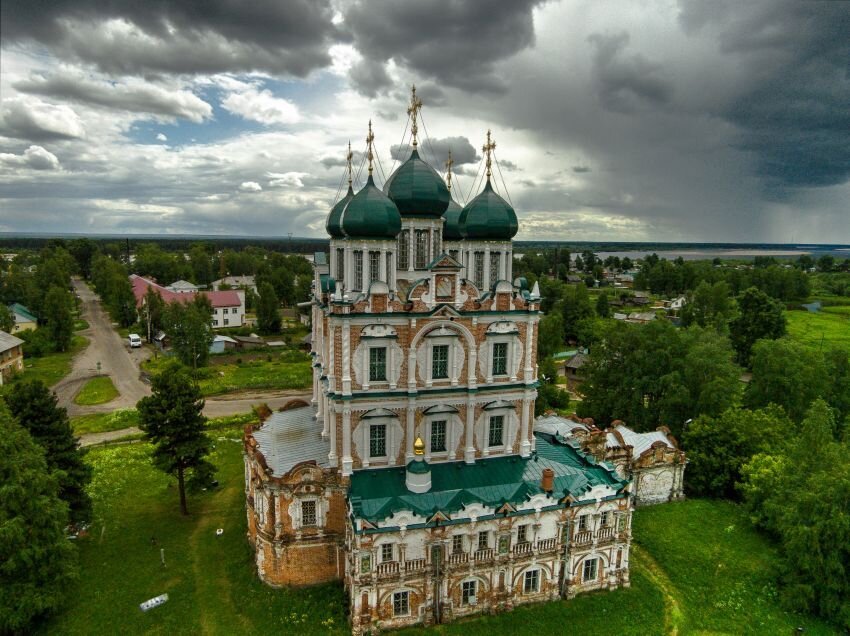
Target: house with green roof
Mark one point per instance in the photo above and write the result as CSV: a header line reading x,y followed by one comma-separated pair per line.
x,y
24,318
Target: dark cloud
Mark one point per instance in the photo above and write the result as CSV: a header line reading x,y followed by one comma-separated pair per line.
x,y
140,97
794,113
456,43
624,83
337,162
436,151
369,78
189,36
581,169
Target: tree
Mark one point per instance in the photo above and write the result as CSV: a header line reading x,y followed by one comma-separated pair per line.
x,y
575,306
550,335
36,409
37,563
710,305
190,330
786,373
7,319
801,497
603,310
268,312
153,312
826,263
60,320
172,421
760,316
718,447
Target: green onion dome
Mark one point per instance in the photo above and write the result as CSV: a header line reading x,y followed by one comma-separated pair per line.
x,y
417,189
334,223
488,216
451,228
370,215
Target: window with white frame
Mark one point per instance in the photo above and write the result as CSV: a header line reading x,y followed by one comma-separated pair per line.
x,y
496,430
358,271
423,248
389,267
500,358
404,249
438,436
340,264
531,582
583,523
604,518
377,364
308,513
590,570
374,266
494,267
387,552
377,440
457,544
467,592
522,534
401,603
478,270
483,540
226,321
439,362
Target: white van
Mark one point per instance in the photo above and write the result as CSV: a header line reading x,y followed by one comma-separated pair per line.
x,y
135,340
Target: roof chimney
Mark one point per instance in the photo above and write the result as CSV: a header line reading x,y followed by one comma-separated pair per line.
x,y
547,483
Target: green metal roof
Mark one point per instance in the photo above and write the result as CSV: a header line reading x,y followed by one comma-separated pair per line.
x,y
377,494
334,223
417,189
19,309
371,214
488,216
451,229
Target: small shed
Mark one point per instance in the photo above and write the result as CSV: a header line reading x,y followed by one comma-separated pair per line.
x,y
249,342
220,344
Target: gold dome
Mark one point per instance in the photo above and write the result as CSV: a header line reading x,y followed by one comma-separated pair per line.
x,y
418,446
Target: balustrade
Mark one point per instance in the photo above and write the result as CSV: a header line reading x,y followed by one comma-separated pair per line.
x,y
583,537
387,567
546,545
522,548
458,558
605,533
414,565
484,555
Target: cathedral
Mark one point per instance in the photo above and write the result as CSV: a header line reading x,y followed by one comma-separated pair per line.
x,y
416,475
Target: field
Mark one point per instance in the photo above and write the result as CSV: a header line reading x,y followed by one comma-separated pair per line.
x,y
697,566
102,422
99,390
828,328
286,370
52,367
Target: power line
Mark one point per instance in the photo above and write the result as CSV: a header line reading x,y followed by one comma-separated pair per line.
x,y
504,185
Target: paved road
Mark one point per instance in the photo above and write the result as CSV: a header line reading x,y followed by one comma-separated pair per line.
x,y
116,359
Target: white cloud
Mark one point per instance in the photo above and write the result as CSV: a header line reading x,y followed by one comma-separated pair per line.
x,y
261,106
250,186
31,118
287,179
161,137
34,157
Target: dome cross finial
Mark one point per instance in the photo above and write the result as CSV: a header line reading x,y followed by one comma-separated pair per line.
x,y
348,157
488,149
413,112
449,163
369,154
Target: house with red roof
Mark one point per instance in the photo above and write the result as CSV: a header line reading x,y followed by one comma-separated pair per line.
x,y
228,306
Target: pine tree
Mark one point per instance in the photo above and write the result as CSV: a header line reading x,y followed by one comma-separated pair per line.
x,y
172,421
35,408
37,562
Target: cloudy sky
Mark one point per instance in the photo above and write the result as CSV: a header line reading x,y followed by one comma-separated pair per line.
x,y
638,120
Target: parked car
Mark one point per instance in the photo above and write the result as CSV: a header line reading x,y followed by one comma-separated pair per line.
x,y
135,340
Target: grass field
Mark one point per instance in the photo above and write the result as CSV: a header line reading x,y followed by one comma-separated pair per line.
x,y
99,390
52,367
827,328
697,567
286,370
103,422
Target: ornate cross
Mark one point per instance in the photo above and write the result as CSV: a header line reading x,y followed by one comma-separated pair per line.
x,y
488,148
348,157
413,111
369,139
449,163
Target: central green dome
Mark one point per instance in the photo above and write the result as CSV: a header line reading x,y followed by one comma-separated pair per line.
x,y
488,217
417,189
334,223
451,229
370,215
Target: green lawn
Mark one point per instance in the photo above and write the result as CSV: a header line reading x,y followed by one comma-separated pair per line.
x,y
98,390
286,370
80,324
697,567
52,367
103,422
825,329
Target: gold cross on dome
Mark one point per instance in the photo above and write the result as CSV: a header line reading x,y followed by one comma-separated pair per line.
x,y
449,163
348,157
488,148
369,139
413,111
